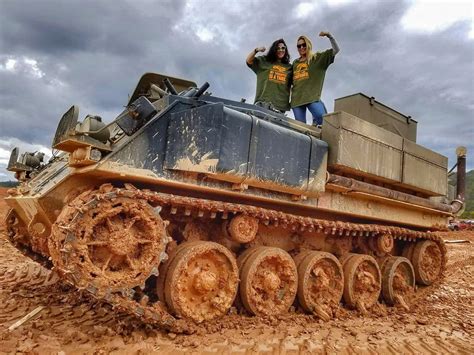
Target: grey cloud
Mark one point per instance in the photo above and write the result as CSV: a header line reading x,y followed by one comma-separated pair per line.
x,y
56,27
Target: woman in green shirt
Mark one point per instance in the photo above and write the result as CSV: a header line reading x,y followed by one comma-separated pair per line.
x,y
273,76
309,71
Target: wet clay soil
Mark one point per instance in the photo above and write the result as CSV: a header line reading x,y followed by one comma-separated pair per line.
x,y
71,323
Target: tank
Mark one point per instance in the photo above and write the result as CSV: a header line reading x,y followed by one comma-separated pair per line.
x,y
189,206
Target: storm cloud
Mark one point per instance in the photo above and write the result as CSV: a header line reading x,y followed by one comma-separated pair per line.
x,y
91,53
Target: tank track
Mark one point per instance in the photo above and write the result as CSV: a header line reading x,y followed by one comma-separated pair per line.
x,y
14,234
156,313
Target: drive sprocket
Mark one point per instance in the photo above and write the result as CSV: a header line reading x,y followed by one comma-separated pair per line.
x,y
107,241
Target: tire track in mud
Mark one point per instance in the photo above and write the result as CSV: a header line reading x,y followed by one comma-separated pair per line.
x,y
70,321
414,346
27,285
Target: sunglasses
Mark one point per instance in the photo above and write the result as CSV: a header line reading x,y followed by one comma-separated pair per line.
x,y
303,45
281,48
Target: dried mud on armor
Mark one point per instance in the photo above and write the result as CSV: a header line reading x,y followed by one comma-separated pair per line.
x,y
72,322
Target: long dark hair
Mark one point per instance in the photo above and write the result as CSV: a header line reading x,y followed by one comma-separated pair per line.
x,y
272,52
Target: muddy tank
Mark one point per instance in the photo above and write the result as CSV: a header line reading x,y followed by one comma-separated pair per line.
x,y
187,206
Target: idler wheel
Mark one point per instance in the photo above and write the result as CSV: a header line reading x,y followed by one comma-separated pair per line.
x,y
320,283
398,280
108,242
242,228
362,281
268,281
201,281
427,261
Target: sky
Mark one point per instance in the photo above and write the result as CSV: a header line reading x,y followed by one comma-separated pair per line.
x,y
415,56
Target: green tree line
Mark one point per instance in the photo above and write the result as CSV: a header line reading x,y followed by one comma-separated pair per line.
x,y
8,183
469,211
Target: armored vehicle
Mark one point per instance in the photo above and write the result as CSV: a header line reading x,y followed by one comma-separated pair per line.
x,y
188,205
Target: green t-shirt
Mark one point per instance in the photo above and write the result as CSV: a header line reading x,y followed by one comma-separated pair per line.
x,y
273,82
308,79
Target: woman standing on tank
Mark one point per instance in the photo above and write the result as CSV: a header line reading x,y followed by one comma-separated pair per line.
x,y
273,76
309,71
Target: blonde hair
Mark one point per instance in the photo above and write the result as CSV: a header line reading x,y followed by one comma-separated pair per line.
x,y
309,48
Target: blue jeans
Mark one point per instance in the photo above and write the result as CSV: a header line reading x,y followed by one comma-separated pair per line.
x,y
316,108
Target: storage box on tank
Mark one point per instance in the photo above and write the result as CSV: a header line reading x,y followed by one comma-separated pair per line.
x,y
361,148
424,170
375,112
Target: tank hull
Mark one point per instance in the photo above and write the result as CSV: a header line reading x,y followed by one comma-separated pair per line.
x,y
184,207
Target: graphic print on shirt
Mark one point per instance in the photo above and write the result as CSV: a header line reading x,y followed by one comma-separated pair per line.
x,y
301,72
277,74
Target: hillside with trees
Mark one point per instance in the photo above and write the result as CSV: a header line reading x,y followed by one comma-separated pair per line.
x,y
8,183
469,212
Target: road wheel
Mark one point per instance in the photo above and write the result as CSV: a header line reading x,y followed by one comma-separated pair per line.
x,y
408,250
398,280
427,261
362,281
268,281
161,281
201,281
320,283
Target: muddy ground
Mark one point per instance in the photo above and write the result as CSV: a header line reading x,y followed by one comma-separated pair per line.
x,y
439,321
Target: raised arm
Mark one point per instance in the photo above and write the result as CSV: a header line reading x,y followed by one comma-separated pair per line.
x,y
335,47
252,54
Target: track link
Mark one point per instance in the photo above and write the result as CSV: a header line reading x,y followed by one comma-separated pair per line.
x,y
155,312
